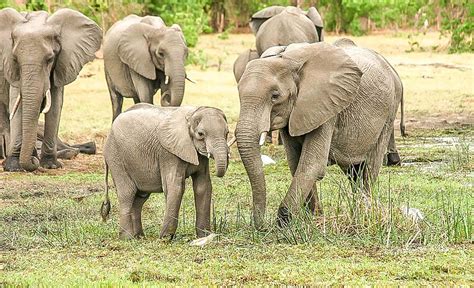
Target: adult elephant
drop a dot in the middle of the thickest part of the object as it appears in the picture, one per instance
(142, 55)
(41, 53)
(280, 26)
(330, 103)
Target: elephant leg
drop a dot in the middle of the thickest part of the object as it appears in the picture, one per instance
(115, 97)
(174, 190)
(393, 158)
(140, 199)
(64, 151)
(202, 199)
(144, 88)
(12, 162)
(49, 155)
(86, 148)
(293, 153)
(311, 167)
(4, 131)
(126, 191)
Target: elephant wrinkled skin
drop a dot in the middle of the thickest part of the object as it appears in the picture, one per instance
(329, 102)
(142, 55)
(154, 149)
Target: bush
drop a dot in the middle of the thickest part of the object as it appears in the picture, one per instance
(191, 15)
(461, 27)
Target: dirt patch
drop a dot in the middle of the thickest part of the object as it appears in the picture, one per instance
(436, 65)
(437, 122)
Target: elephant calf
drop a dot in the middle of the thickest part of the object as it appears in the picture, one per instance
(154, 149)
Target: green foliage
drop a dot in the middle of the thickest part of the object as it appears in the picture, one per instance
(461, 29)
(189, 14)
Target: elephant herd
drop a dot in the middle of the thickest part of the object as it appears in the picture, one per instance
(331, 103)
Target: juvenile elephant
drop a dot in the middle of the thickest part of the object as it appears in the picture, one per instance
(40, 53)
(154, 149)
(142, 55)
(330, 103)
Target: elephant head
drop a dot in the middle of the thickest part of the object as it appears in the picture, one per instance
(147, 48)
(265, 14)
(298, 88)
(201, 130)
(40, 51)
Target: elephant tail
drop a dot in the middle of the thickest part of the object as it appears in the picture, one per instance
(402, 116)
(105, 208)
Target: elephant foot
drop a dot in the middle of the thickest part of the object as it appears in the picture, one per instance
(12, 164)
(49, 162)
(68, 154)
(86, 148)
(284, 217)
(125, 235)
(393, 159)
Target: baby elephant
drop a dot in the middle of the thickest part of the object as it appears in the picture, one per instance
(154, 149)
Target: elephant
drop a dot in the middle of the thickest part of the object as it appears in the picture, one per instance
(64, 150)
(40, 53)
(154, 149)
(142, 55)
(331, 105)
(241, 62)
(280, 26)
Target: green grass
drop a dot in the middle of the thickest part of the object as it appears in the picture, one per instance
(51, 233)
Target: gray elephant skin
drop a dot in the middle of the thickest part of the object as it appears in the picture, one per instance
(330, 103)
(142, 55)
(280, 26)
(154, 149)
(40, 53)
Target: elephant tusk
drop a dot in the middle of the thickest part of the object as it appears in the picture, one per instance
(263, 137)
(167, 79)
(208, 155)
(15, 107)
(48, 102)
(228, 155)
(231, 141)
(187, 78)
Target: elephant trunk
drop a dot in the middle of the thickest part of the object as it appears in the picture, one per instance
(221, 157)
(32, 97)
(248, 134)
(177, 77)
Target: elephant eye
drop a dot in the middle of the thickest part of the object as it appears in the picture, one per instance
(50, 59)
(275, 95)
(200, 134)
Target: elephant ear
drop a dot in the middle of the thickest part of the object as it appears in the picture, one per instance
(314, 16)
(263, 15)
(133, 49)
(174, 135)
(80, 38)
(8, 19)
(328, 83)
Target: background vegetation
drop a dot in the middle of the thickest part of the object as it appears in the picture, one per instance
(356, 17)
(51, 233)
